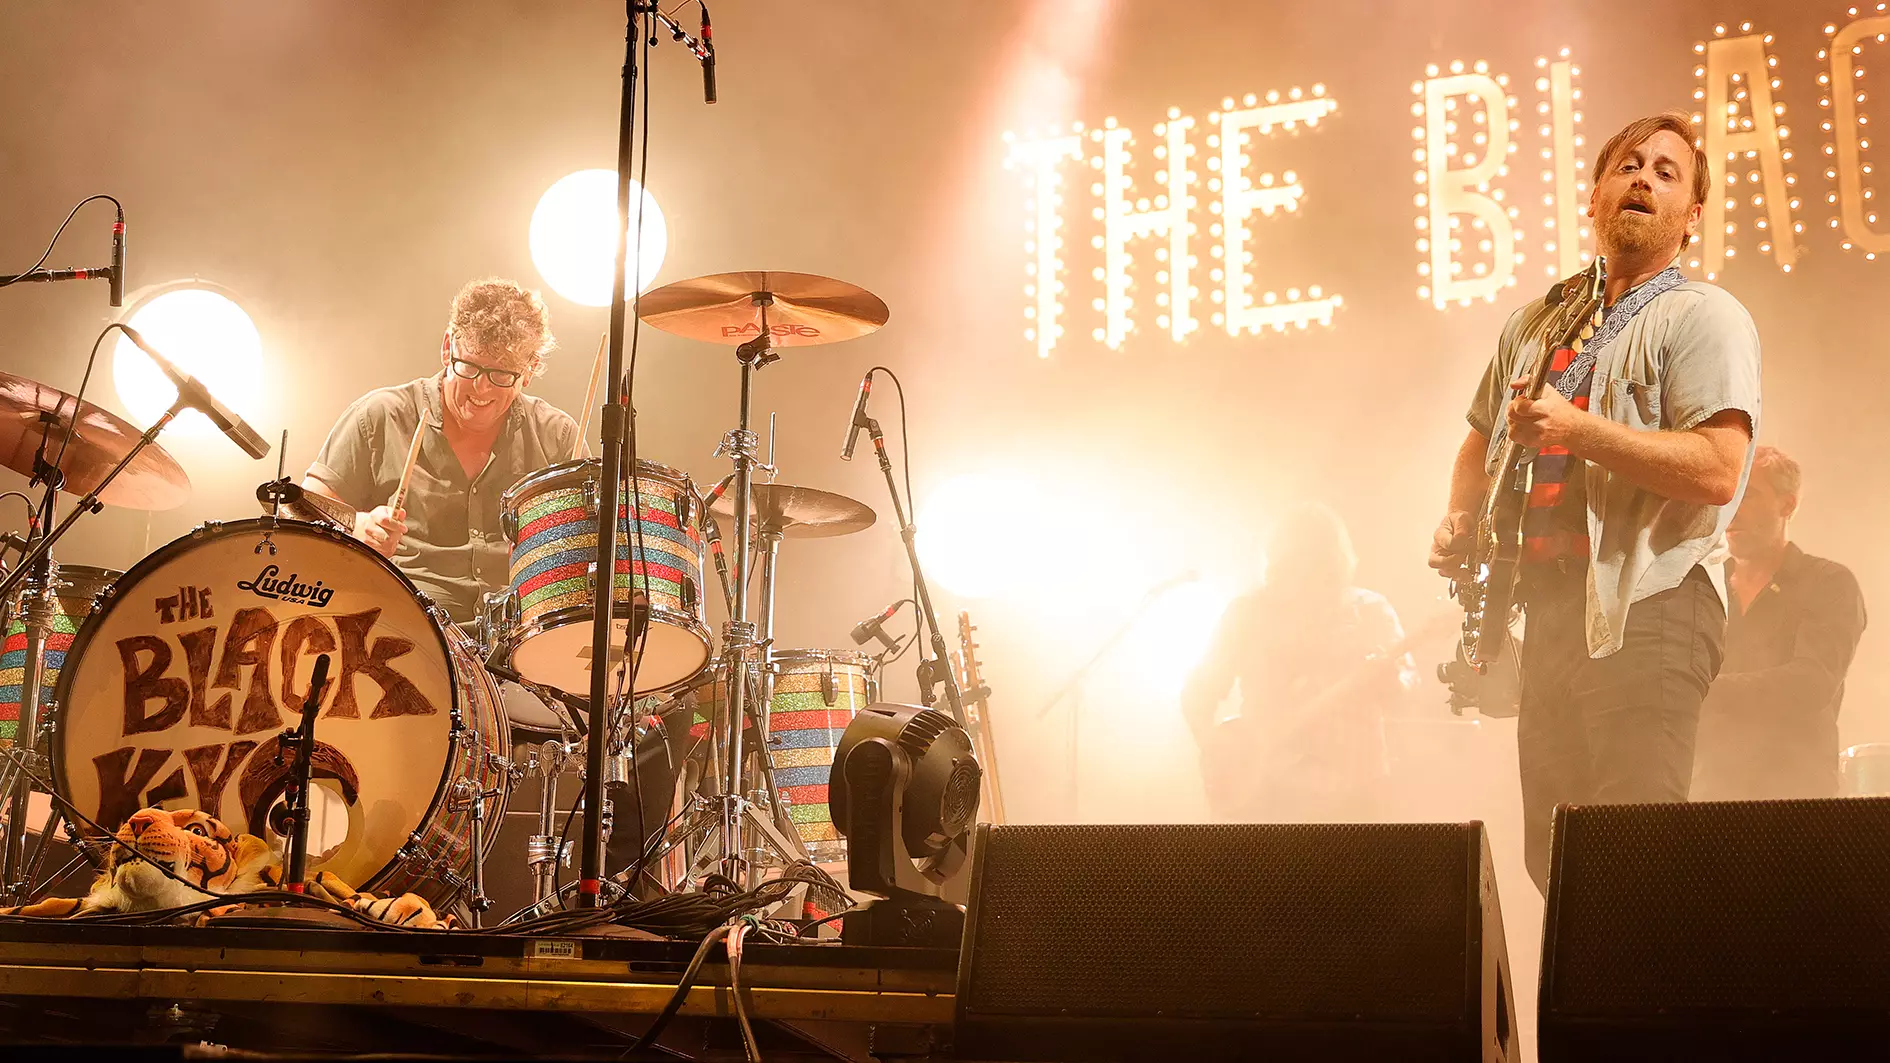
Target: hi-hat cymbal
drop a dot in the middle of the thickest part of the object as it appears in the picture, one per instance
(299, 503)
(802, 309)
(153, 480)
(801, 512)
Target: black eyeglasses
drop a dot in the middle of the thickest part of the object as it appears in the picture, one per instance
(500, 378)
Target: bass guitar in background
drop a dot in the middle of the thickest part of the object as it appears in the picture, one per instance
(978, 715)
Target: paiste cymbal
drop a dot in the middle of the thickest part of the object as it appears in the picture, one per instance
(801, 512)
(805, 309)
(153, 480)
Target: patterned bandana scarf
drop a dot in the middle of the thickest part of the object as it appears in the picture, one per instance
(1614, 319)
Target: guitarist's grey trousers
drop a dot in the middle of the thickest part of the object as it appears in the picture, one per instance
(1617, 729)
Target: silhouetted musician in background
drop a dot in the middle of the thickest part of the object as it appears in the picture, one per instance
(1317, 661)
(1769, 727)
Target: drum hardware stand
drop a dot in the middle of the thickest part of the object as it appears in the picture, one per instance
(466, 798)
(937, 668)
(543, 854)
(38, 606)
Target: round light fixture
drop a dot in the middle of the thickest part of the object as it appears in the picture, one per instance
(198, 326)
(972, 533)
(573, 238)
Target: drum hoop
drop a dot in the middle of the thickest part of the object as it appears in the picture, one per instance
(220, 529)
(570, 614)
(828, 657)
(646, 470)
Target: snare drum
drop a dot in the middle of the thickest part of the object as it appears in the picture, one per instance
(182, 681)
(550, 518)
(73, 592)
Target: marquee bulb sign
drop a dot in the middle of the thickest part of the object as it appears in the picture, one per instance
(1500, 189)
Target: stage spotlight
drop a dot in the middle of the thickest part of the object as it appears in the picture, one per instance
(978, 532)
(201, 328)
(904, 793)
(574, 244)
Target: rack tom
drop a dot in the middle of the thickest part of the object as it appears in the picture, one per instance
(550, 518)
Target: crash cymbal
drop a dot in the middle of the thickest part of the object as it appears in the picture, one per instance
(805, 309)
(153, 480)
(801, 512)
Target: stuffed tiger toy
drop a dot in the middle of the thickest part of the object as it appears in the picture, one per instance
(212, 859)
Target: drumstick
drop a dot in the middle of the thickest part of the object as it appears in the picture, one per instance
(590, 399)
(399, 501)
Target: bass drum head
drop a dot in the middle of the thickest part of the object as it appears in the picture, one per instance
(187, 672)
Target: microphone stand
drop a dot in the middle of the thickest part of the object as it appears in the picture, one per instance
(88, 504)
(1072, 688)
(616, 423)
(296, 800)
(935, 669)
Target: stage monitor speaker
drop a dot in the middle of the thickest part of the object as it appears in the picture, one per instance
(1332, 942)
(1735, 930)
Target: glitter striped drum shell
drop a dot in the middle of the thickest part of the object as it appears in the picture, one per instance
(816, 694)
(74, 591)
(550, 518)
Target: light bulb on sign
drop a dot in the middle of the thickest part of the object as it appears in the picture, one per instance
(206, 334)
(574, 242)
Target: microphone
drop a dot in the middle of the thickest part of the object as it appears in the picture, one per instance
(194, 395)
(873, 627)
(313, 703)
(708, 57)
(118, 259)
(859, 417)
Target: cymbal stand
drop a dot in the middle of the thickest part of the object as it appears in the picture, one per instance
(38, 607)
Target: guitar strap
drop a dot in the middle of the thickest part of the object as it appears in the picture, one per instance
(1614, 320)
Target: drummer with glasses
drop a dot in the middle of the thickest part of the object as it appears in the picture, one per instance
(481, 434)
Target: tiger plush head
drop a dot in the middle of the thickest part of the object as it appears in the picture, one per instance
(210, 859)
(206, 855)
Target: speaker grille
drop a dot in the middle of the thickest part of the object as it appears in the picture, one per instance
(1301, 922)
(1764, 905)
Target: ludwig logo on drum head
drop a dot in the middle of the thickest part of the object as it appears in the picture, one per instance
(268, 584)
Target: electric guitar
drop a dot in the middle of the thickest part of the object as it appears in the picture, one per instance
(1566, 318)
(978, 715)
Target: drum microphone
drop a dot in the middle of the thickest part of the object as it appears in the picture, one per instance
(192, 393)
(873, 627)
(118, 259)
(854, 426)
(708, 59)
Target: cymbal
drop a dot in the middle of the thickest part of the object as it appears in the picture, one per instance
(722, 308)
(801, 512)
(313, 507)
(153, 480)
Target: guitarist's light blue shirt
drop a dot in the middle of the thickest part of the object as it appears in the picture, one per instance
(1690, 352)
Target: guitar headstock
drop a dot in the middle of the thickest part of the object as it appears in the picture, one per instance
(1577, 302)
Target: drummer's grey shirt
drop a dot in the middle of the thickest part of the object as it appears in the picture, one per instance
(453, 549)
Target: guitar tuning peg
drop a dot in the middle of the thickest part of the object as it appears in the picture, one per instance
(1576, 347)
(1588, 332)
(1596, 320)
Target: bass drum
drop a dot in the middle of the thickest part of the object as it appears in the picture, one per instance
(180, 685)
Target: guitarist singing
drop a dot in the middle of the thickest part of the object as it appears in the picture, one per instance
(1641, 445)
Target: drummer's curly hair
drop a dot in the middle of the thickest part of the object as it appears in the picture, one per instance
(504, 320)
